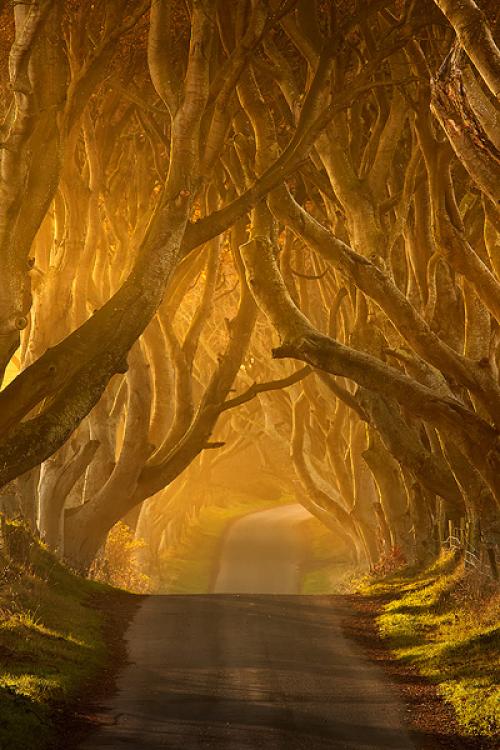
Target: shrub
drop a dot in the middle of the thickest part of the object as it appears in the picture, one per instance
(390, 562)
(117, 563)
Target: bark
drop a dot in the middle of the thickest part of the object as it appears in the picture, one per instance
(84, 527)
(57, 478)
(365, 498)
(301, 341)
(393, 497)
(404, 444)
(377, 285)
(474, 35)
(465, 132)
(76, 371)
(15, 165)
(326, 499)
(26, 490)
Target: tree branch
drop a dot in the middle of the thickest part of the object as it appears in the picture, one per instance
(271, 385)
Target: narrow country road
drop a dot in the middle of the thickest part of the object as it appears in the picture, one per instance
(249, 671)
(262, 552)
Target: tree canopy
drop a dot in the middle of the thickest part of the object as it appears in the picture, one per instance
(263, 232)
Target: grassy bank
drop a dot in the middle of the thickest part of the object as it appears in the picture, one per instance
(446, 622)
(190, 566)
(325, 569)
(52, 640)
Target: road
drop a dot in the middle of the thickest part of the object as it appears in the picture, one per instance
(262, 552)
(251, 670)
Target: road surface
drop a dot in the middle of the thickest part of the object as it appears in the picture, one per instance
(262, 552)
(249, 671)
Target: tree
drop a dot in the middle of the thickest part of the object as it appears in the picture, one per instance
(324, 173)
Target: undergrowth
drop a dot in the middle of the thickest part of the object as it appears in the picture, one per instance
(446, 621)
(51, 640)
(117, 563)
(326, 567)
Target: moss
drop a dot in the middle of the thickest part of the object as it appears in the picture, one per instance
(51, 641)
(446, 622)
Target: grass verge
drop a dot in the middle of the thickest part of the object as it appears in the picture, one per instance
(52, 641)
(445, 621)
(326, 569)
(189, 567)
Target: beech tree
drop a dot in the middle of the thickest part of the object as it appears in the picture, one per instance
(310, 185)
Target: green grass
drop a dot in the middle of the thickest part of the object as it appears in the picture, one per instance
(325, 570)
(51, 641)
(446, 622)
(189, 566)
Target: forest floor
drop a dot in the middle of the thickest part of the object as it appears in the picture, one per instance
(60, 636)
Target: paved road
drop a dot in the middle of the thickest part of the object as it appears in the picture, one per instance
(248, 672)
(262, 552)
